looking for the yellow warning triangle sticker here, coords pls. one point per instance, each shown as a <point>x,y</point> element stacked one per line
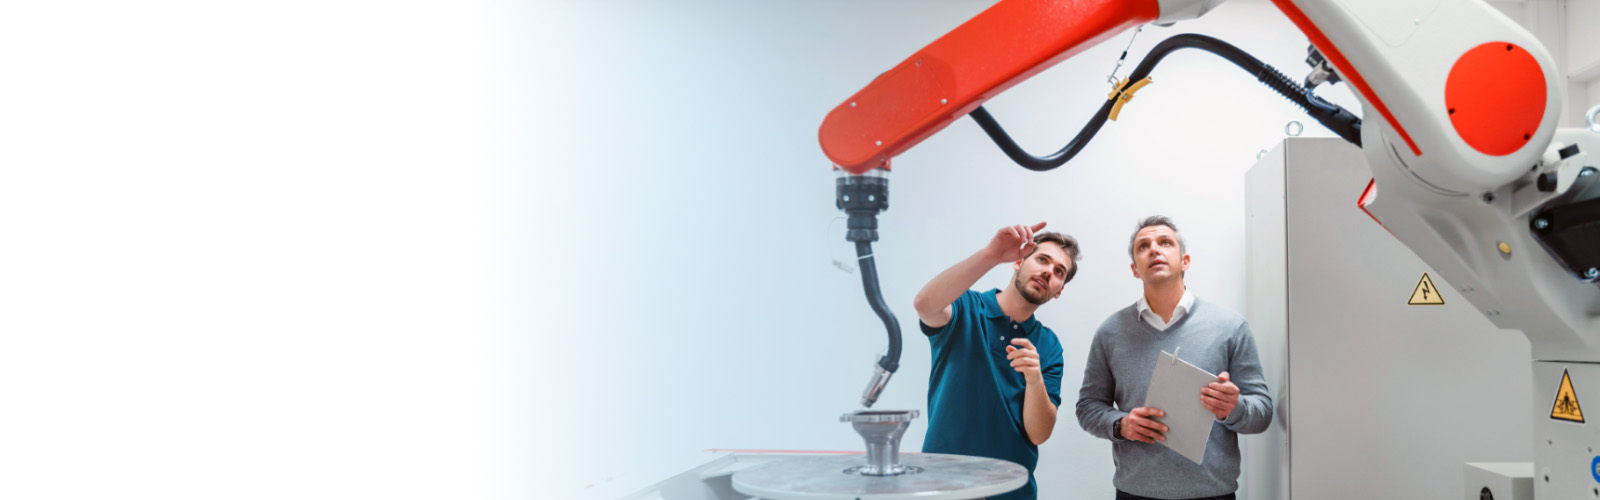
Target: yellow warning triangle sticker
<point>1566,405</point>
<point>1426,294</point>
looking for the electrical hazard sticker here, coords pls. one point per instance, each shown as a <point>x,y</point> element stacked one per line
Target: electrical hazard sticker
<point>1426,294</point>
<point>1566,405</point>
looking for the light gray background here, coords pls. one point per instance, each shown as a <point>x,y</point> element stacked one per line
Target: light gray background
<point>535,249</point>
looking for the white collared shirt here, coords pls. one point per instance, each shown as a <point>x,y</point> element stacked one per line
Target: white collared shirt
<point>1154,319</point>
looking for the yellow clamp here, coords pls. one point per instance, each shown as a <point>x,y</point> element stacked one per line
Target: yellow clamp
<point>1123,96</point>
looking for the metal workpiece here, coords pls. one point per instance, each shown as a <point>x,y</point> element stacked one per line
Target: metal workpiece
<point>881,429</point>
<point>830,477</point>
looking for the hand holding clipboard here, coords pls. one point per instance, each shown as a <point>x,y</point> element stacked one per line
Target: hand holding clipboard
<point>1173,388</point>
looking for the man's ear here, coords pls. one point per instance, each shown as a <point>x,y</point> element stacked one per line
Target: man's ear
<point>1185,262</point>
<point>1135,268</point>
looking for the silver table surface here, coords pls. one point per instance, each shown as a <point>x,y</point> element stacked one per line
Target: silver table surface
<point>823,477</point>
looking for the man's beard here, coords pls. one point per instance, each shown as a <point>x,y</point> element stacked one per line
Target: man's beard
<point>1037,299</point>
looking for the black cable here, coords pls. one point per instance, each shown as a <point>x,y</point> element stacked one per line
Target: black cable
<point>1031,162</point>
<point>869,281</point>
<point>1337,119</point>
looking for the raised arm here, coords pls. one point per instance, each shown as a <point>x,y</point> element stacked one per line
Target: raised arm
<point>1009,244</point>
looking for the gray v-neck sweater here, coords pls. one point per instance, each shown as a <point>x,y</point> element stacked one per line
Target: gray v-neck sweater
<point>1117,373</point>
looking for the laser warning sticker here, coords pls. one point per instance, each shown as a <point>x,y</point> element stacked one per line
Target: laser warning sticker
<point>1566,405</point>
<point>1425,294</point>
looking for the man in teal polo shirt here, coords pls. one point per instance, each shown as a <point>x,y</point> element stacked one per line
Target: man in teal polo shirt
<point>996,376</point>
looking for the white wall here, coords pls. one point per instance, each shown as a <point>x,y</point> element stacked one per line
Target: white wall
<point>1591,89</point>
<point>1583,41</point>
<point>1583,58</point>
<point>247,250</point>
<point>366,249</point>
<point>673,219</point>
<point>1567,29</point>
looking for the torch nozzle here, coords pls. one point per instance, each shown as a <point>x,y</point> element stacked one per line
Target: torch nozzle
<point>880,378</point>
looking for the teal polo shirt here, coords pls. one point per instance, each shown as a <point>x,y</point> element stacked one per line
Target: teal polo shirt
<point>974,396</point>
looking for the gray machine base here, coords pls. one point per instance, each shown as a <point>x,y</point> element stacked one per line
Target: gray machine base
<point>1565,453</point>
<point>825,477</point>
<point>1498,481</point>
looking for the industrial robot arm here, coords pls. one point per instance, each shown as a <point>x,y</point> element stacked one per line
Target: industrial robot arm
<point>1006,44</point>
<point>1461,104</point>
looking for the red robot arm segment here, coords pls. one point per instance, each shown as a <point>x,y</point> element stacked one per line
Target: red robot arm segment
<point>1006,44</point>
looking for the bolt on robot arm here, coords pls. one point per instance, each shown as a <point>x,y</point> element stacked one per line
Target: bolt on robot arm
<point>1461,104</point>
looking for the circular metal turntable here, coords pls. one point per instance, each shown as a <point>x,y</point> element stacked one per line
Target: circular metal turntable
<point>928,476</point>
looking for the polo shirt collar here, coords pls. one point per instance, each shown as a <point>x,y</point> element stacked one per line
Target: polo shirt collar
<point>989,307</point>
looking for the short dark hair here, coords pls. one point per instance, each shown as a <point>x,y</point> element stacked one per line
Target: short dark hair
<point>1157,220</point>
<point>1067,244</point>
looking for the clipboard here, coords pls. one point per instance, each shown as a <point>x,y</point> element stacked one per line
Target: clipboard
<point>1175,389</point>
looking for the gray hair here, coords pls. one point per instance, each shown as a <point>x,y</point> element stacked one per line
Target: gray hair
<point>1157,220</point>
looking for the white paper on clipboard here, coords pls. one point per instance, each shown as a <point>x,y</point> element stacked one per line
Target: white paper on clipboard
<point>1175,389</point>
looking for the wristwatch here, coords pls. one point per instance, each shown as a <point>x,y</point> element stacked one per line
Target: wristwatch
<point>1116,429</point>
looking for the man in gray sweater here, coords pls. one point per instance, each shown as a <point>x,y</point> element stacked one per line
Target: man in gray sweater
<point>1123,354</point>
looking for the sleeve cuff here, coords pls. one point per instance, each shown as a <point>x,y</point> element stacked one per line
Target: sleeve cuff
<point>1234,417</point>
<point>1116,436</point>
